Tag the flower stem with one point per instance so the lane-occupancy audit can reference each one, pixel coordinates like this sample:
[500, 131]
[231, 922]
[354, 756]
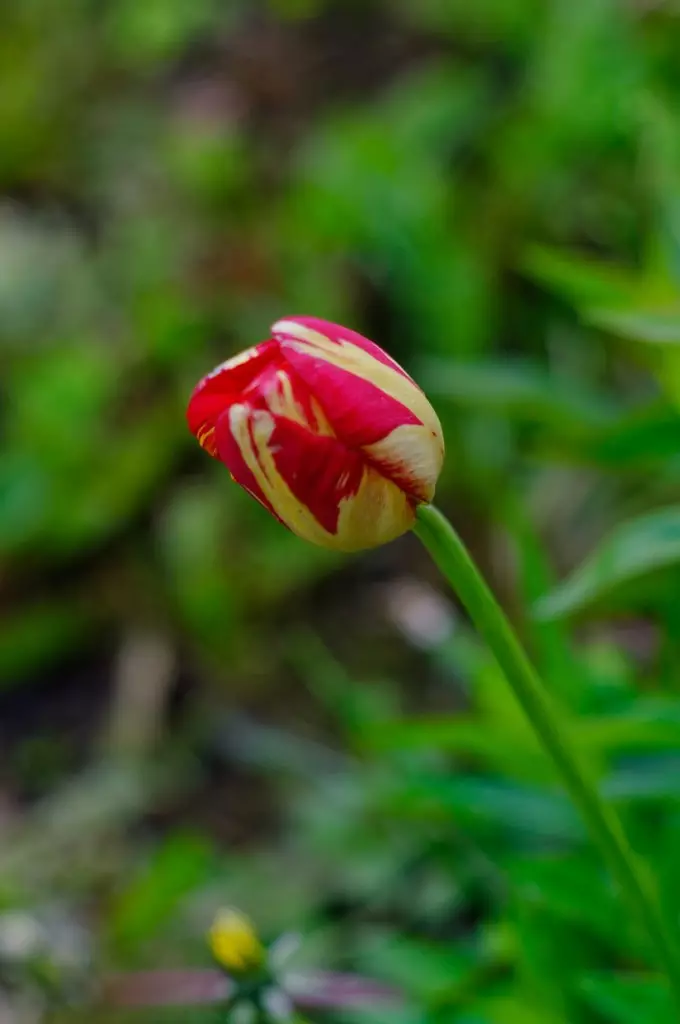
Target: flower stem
[635, 882]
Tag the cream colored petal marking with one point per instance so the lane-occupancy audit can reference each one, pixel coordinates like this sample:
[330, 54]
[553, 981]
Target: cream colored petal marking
[238, 360]
[353, 359]
[377, 513]
[282, 401]
[252, 432]
[412, 454]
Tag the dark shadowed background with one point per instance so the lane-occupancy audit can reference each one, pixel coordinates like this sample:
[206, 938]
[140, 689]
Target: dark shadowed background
[197, 708]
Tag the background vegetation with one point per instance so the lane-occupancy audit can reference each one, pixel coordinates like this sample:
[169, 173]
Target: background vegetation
[196, 708]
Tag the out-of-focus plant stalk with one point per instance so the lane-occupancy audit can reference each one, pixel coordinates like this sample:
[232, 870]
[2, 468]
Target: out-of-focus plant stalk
[453, 559]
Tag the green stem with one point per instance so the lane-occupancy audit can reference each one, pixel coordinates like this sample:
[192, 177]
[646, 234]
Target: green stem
[450, 554]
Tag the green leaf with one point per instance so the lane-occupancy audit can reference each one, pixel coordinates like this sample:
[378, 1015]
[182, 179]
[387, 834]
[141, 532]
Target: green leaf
[550, 952]
[426, 969]
[652, 780]
[632, 551]
[640, 306]
[656, 326]
[650, 725]
[644, 436]
[628, 1000]
[582, 282]
[178, 867]
[459, 733]
[508, 1009]
[522, 390]
[572, 893]
[490, 804]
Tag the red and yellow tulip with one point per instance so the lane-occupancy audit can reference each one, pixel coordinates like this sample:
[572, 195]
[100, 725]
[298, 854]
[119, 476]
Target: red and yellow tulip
[325, 430]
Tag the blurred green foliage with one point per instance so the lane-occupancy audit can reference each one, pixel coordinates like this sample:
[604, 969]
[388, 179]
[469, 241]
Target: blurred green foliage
[195, 707]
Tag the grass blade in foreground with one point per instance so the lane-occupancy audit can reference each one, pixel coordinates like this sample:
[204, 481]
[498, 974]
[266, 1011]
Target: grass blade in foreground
[452, 557]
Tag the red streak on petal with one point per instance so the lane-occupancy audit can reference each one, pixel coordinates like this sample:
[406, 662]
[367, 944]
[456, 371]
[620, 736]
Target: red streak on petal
[338, 334]
[320, 471]
[224, 386]
[231, 455]
[360, 412]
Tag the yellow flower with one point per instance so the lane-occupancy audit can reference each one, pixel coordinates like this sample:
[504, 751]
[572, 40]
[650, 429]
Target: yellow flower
[234, 943]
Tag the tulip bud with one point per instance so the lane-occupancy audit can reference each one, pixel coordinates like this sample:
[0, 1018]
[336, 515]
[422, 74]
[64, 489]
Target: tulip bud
[234, 943]
[325, 430]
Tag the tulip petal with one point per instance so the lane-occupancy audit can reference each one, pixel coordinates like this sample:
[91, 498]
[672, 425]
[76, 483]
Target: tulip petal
[339, 334]
[283, 394]
[360, 411]
[323, 491]
[371, 403]
[320, 472]
[366, 361]
[411, 457]
[222, 386]
[379, 512]
[231, 454]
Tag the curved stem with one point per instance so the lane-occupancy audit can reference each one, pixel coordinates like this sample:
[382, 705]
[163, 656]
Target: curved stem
[450, 554]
